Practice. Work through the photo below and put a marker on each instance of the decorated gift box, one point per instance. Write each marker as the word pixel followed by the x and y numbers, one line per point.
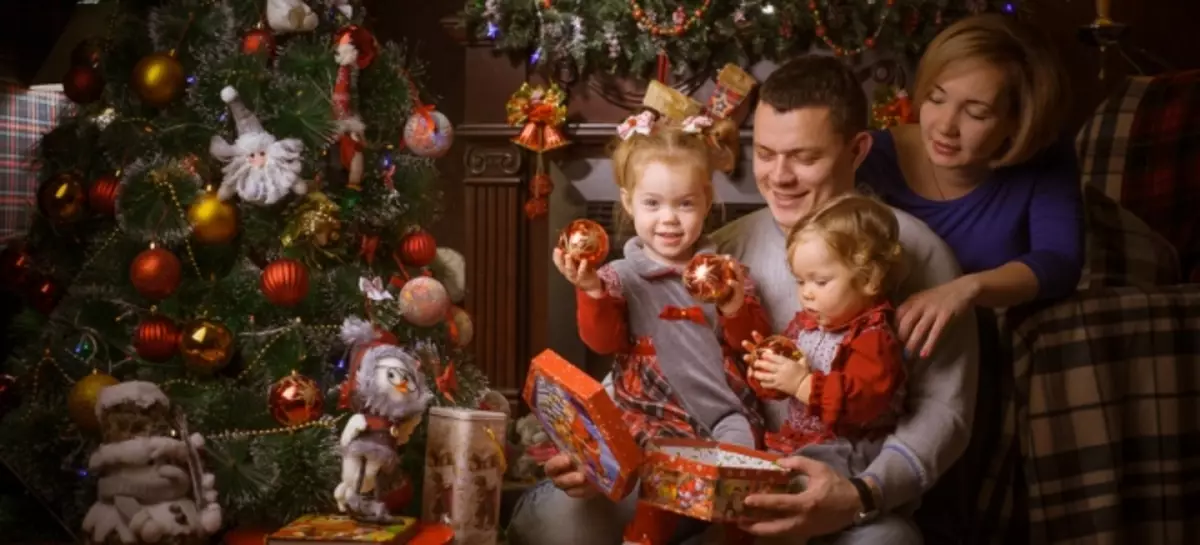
pixel 701 479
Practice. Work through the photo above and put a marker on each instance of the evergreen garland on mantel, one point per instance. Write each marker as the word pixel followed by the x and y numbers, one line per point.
pixel 625 37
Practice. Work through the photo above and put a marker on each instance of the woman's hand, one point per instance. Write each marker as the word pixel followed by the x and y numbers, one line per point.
pixel 562 472
pixel 924 316
pixel 737 293
pixel 779 373
pixel 580 273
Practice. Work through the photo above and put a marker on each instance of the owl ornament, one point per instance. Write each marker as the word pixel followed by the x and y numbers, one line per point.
pixel 388 393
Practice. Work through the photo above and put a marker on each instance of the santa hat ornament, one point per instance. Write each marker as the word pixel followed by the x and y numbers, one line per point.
pixel 363 338
pixel 245 120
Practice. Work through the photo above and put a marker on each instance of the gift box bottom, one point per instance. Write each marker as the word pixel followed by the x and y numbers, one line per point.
pixel 709 481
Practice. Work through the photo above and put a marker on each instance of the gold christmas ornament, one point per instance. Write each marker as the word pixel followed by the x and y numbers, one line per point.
pixel 158 79
pixel 81 402
pixel 315 220
pixel 206 345
pixel 213 221
pixel 63 198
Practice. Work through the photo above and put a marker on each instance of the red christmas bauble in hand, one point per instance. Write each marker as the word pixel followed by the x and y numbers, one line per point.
pixel 708 276
pixel 156 339
pixel 584 240
pixel 155 273
pixel 83 84
pixel 102 196
pixel 284 282
pixel 418 249
pixel 778 345
pixel 296 400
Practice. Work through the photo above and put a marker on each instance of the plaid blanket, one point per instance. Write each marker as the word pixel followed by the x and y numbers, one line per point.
pixel 1101 435
pixel 24 117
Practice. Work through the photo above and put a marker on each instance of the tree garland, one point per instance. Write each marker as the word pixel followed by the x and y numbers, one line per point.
pixel 627 37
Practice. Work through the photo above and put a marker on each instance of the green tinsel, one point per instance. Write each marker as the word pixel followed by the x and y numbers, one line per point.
pixel 604 36
pixel 164 161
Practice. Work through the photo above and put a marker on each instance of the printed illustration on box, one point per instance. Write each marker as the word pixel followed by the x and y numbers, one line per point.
pixel 584 423
pixel 343 528
pixel 708 480
pixel 464 468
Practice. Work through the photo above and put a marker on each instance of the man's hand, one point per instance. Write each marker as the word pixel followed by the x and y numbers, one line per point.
pixel 828 504
pixel 563 473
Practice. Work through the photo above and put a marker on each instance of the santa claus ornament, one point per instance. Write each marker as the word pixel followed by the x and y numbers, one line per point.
pixel 354 49
pixel 388 393
pixel 259 168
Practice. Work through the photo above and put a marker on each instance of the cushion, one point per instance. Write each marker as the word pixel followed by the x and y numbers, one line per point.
pixel 1121 250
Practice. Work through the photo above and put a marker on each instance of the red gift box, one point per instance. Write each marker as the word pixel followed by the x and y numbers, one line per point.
pixel 706 480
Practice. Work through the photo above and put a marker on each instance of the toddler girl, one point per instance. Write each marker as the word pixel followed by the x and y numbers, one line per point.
pixel 846 387
pixel 675 374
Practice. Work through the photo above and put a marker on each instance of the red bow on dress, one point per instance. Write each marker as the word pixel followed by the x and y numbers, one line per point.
pixel 695 314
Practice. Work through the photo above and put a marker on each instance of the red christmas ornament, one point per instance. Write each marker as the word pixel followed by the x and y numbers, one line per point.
pixel 259 40
pixel 156 339
pixel 418 249
pixel 584 240
pixel 8 394
pixel 102 196
pixel 707 277
pixel 16 266
pixel 362 41
pixel 44 294
pixel 296 400
pixel 155 273
pixel 83 84
pixel 779 345
pixel 285 282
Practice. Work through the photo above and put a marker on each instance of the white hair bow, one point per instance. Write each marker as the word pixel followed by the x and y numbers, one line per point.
pixel 642 123
pixel 697 123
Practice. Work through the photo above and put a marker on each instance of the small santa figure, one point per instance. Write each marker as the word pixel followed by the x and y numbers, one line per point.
pixel 388 392
pixel 259 167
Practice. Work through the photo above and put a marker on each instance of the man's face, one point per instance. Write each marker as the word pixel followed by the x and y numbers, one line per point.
pixel 800 161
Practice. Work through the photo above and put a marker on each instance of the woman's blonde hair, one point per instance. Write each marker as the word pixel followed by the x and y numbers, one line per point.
pixel 1036 88
pixel 710 149
pixel 863 233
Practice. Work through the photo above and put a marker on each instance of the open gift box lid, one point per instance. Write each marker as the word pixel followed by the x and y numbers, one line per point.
pixel 708 480
pixel 584 423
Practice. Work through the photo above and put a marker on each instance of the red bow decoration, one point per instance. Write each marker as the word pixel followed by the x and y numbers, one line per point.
pixel 366 250
pixel 447 381
pixel 693 314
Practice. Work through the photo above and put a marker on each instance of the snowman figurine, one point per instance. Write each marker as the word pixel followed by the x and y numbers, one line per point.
pixel 387 390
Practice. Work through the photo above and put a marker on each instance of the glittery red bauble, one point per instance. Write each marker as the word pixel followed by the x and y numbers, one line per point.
pixel 285 282
pixel 83 84
pixel 584 240
pixel 156 339
pixel 44 294
pixel 779 345
pixel 257 41
pixel 102 196
pixel 707 277
pixel 155 273
pixel 295 400
pixel 362 40
pixel 16 266
pixel 418 249
pixel 8 393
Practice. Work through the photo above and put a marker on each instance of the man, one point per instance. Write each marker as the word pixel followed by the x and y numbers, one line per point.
pixel 809 137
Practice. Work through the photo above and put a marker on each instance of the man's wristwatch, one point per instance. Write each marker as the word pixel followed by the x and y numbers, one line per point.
pixel 870 510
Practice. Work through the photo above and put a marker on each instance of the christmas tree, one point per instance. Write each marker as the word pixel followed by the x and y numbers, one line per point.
pixel 231 184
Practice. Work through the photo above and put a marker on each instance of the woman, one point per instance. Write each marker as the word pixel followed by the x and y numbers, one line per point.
pixel 983 170
pixel 986 170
